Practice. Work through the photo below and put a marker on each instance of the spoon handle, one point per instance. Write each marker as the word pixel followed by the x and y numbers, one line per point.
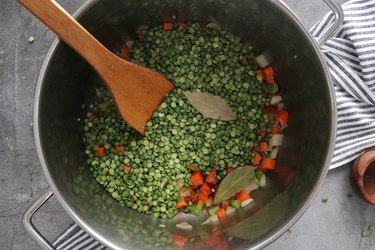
pixel 71 32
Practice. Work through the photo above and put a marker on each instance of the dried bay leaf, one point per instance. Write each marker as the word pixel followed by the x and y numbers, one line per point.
pixel 234 183
pixel 211 106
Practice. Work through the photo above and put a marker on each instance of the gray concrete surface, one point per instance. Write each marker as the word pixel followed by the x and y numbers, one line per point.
pixel 336 224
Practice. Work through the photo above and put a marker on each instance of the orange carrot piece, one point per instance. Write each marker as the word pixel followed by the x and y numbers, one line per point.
pixel 276 130
pixel 270 79
pixel 127 168
pixel 101 151
pixel 282 117
pixel 268 164
pixel 205 189
pixel 268 71
pixel 182 25
pixel 221 214
pixel 225 204
pixel 211 177
pixel 197 178
pixel 257 159
pixel 259 73
pixel 168 26
pixel 263 133
pixel 263 146
pixel 120 149
pixel 94 116
pixel 125 54
pixel 229 170
pixel 181 203
pixel 242 196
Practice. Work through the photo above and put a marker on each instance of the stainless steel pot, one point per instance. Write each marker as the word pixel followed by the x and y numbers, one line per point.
pixel 66 82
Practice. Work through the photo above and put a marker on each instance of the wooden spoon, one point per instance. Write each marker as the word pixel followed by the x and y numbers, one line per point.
pixel 137 91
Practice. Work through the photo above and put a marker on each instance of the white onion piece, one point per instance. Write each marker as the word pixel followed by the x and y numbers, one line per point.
pixel 142 28
pixel 274 152
pixel 214 26
pixel 276 99
pixel 184 225
pixel 263 60
pixel 213 219
pixel 230 210
pixel 263 180
pixel 246 202
pixel 276 140
pixel 249 188
pixel 129 44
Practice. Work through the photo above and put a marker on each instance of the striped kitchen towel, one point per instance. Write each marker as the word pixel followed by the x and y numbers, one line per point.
pixel 350 55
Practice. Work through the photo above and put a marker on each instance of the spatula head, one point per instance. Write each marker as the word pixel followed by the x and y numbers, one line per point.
pixel 137 92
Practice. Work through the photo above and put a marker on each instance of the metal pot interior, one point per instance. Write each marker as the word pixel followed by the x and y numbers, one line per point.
pixel 67 82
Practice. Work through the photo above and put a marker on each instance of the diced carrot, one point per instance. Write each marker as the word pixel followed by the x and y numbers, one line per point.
pixel 211 177
pixel 182 25
pixel 221 214
pixel 259 73
pixel 203 197
pixel 242 196
pixel 229 170
pixel 262 169
pixel 268 164
pixel 263 146
pixel 270 79
pixel 197 178
pixel 268 71
pixel 263 133
pixel 168 26
pixel 94 116
pixel 257 159
pixel 243 59
pixel 270 109
pixel 205 189
pixel 125 54
pixel 101 151
pixel 180 240
pixel 181 203
pixel 276 130
pixel 120 149
pixel 127 168
pixel 282 117
pixel 225 204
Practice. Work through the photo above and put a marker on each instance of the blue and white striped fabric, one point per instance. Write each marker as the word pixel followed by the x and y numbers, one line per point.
pixel 350 55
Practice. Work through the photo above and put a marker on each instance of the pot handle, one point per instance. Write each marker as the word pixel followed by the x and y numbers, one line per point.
pixel 29 226
pixel 339 14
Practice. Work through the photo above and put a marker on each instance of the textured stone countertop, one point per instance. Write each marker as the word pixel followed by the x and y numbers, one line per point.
pixel 336 224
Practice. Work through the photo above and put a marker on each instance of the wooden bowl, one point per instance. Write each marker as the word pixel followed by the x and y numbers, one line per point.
pixel 363 176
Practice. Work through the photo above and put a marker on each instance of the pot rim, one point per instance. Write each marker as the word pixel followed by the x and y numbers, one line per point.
pixel 263 243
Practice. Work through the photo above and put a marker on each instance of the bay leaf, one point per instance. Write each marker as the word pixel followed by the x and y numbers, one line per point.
pixel 211 106
pixel 234 183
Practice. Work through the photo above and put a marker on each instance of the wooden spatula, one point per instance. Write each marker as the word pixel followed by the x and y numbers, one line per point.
pixel 137 91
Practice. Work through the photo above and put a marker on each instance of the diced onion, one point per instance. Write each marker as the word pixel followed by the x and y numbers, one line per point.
pixel 263 180
pixel 246 202
pixel 263 60
pixel 129 44
pixel 213 219
pixel 276 140
pixel 276 99
pixel 142 28
pixel 230 210
pixel 213 26
pixel 274 152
